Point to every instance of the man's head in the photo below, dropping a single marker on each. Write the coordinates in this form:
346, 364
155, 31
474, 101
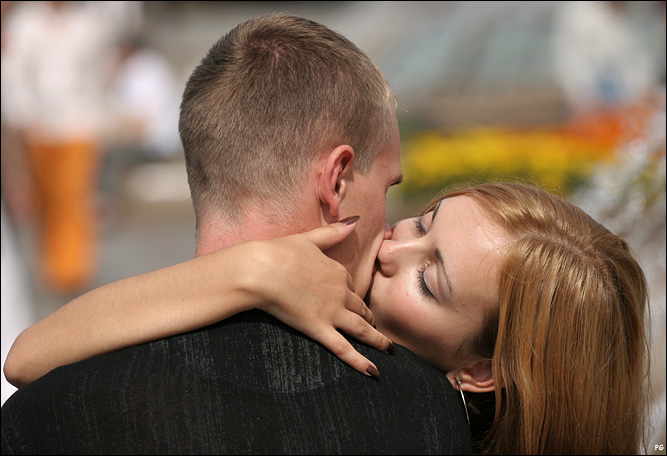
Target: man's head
276, 104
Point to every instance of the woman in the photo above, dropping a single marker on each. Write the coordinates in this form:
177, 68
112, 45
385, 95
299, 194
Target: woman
529, 306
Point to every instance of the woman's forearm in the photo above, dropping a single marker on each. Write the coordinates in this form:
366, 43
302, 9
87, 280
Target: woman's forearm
134, 310
276, 276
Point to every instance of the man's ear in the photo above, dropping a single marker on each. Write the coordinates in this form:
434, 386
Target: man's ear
333, 181
477, 378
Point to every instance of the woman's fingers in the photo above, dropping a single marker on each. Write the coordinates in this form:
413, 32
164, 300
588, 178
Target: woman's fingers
343, 349
332, 234
326, 331
357, 305
355, 326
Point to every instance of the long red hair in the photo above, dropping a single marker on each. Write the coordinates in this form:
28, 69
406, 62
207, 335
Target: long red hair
570, 343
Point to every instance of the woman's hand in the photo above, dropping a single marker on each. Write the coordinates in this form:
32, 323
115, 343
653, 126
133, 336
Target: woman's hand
312, 293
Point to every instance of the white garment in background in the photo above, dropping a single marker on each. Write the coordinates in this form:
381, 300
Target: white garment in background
145, 89
57, 62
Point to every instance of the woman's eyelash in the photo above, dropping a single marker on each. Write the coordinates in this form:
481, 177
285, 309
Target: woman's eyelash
421, 281
418, 224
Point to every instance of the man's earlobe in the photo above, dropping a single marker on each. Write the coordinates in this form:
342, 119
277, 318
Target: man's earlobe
337, 170
477, 378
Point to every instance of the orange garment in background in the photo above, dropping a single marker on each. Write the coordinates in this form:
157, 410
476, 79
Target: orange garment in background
56, 62
64, 179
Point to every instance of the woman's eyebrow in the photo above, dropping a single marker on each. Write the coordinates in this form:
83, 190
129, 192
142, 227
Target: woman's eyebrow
438, 254
435, 211
441, 260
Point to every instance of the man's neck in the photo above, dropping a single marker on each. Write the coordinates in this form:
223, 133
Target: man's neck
215, 235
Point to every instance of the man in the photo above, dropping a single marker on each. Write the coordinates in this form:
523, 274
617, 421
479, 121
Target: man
286, 126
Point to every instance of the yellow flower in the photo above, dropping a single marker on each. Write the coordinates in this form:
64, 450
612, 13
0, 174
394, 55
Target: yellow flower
550, 157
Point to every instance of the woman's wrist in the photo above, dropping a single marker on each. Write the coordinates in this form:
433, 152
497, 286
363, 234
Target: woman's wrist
256, 271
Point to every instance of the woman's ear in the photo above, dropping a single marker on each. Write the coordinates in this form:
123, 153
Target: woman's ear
334, 177
477, 378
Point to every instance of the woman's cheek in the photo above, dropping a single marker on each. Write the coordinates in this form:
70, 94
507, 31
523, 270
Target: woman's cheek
402, 314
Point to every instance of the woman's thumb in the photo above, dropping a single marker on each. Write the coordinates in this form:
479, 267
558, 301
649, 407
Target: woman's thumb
332, 234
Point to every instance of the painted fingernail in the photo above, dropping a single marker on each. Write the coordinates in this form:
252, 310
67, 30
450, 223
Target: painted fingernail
372, 370
391, 349
350, 220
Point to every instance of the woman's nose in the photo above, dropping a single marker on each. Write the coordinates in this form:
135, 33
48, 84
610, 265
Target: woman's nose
387, 231
394, 255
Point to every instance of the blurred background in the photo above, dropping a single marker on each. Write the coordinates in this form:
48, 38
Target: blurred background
568, 95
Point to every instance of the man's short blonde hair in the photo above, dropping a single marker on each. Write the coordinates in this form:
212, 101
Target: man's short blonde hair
267, 100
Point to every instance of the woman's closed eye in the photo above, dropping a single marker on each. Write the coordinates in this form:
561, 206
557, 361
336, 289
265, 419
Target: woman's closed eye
420, 225
424, 290
423, 286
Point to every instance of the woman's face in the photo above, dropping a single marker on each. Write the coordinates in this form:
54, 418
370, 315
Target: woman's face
435, 280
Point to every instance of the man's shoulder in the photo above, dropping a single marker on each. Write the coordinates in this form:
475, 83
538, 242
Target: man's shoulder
405, 370
250, 371
403, 362
250, 345
261, 337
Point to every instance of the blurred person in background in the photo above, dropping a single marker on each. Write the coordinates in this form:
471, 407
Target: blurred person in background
144, 102
600, 57
144, 94
55, 71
